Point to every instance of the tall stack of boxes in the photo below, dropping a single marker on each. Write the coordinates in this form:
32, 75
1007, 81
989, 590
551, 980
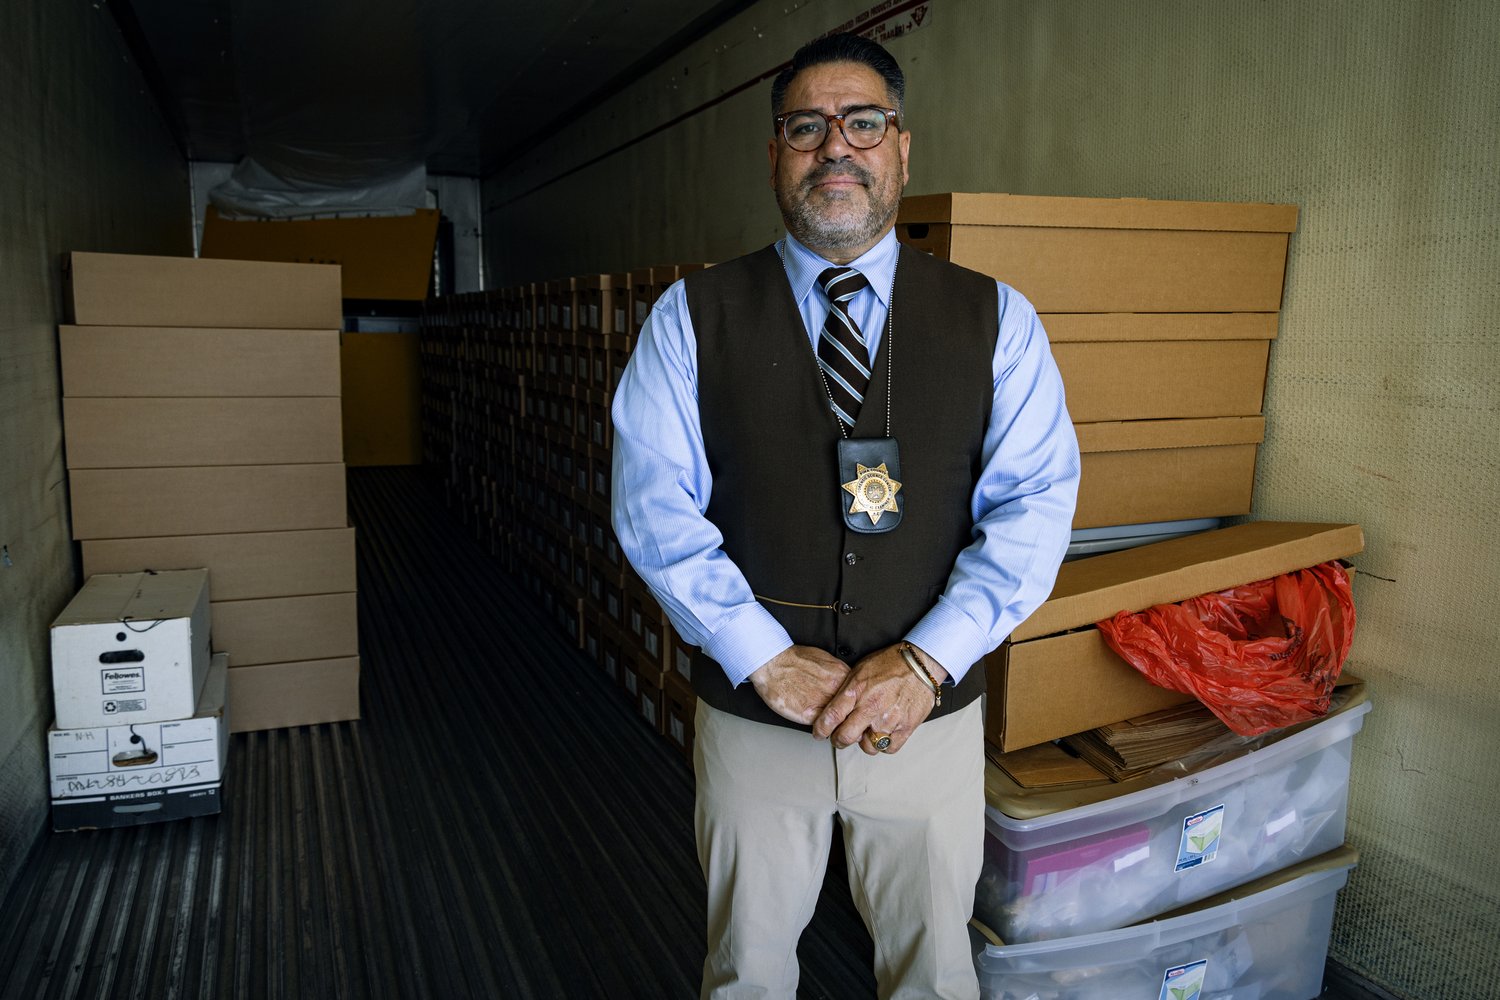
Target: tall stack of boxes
140, 732
202, 429
517, 389
1160, 315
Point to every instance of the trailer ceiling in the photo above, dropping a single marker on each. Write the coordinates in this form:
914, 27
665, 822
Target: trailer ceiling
462, 85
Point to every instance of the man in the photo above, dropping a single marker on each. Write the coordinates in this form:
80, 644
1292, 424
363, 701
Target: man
846, 487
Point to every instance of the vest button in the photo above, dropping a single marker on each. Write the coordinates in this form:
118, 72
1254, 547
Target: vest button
843, 651
848, 609
850, 558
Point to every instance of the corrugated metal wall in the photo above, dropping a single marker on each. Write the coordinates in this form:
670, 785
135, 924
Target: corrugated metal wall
1380, 120
86, 163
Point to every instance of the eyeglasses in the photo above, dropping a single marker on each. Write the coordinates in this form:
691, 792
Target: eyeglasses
862, 128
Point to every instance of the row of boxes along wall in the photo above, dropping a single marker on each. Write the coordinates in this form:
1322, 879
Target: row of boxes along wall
202, 431
1160, 316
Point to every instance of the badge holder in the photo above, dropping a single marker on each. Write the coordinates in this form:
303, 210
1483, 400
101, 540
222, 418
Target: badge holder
870, 472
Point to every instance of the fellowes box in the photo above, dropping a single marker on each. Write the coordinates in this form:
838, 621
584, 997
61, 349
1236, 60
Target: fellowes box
126, 775
131, 648
1056, 676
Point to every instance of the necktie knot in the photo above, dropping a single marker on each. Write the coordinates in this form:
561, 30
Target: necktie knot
841, 284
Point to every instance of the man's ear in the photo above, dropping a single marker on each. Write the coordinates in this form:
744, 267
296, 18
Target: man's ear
905, 157
771, 151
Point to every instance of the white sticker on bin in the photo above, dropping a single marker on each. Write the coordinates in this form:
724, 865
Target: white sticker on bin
1184, 982
1281, 822
1200, 838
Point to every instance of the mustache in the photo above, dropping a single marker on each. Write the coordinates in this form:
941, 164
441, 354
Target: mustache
837, 169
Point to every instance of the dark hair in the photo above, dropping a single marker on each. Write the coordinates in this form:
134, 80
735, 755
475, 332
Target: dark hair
841, 48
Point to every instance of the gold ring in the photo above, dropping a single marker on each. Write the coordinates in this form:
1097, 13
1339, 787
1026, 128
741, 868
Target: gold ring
881, 741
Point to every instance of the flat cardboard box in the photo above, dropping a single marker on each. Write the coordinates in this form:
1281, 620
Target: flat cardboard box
113, 289
1163, 380
126, 775
382, 257
168, 361
1056, 676
240, 566
1140, 471
1107, 255
138, 433
286, 629
131, 648
206, 500
279, 695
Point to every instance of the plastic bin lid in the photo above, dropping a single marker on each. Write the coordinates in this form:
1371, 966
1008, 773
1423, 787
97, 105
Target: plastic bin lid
1251, 902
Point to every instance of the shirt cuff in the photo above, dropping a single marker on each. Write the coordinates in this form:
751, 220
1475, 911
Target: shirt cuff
949, 636
749, 638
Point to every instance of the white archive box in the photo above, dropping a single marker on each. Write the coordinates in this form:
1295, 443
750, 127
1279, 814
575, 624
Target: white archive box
144, 772
1146, 846
1267, 940
131, 647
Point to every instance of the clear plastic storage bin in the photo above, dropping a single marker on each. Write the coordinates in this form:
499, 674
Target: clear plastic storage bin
1111, 863
1269, 945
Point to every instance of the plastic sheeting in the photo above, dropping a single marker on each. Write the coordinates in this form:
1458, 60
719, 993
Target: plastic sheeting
256, 192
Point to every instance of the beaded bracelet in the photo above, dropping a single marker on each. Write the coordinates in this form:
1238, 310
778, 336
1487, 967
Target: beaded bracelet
909, 654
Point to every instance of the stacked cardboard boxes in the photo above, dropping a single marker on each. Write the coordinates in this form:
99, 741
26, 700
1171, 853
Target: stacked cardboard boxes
517, 389
202, 429
1160, 315
140, 733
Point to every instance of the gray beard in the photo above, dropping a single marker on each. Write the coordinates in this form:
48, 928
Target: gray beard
816, 232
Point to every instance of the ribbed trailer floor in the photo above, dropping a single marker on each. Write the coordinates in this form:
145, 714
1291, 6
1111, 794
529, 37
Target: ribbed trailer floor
499, 825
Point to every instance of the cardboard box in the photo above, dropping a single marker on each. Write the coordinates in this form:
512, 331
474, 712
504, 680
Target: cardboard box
1055, 676
382, 257
112, 289
1106, 255
104, 433
167, 361
1140, 471
240, 566
131, 648
278, 695
382, 400
1158, 366
126, 775
206, 500
287, 629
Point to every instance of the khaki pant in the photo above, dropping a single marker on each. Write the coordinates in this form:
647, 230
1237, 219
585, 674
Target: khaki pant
913, 834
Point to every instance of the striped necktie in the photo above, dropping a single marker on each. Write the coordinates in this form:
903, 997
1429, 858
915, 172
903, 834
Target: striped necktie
841, 348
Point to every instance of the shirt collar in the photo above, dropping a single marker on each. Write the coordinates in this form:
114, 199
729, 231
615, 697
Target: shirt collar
878, 264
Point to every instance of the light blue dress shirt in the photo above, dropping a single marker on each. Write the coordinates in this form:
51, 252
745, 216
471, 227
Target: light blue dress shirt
1022, 504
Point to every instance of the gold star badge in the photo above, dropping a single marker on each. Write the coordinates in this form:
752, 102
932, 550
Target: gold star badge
874, 491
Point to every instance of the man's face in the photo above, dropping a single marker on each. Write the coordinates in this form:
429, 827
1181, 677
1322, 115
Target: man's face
837, 200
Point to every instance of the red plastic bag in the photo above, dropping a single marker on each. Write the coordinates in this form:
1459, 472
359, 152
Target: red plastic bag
1261, 656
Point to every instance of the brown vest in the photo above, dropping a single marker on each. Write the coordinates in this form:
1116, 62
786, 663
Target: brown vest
771, 442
